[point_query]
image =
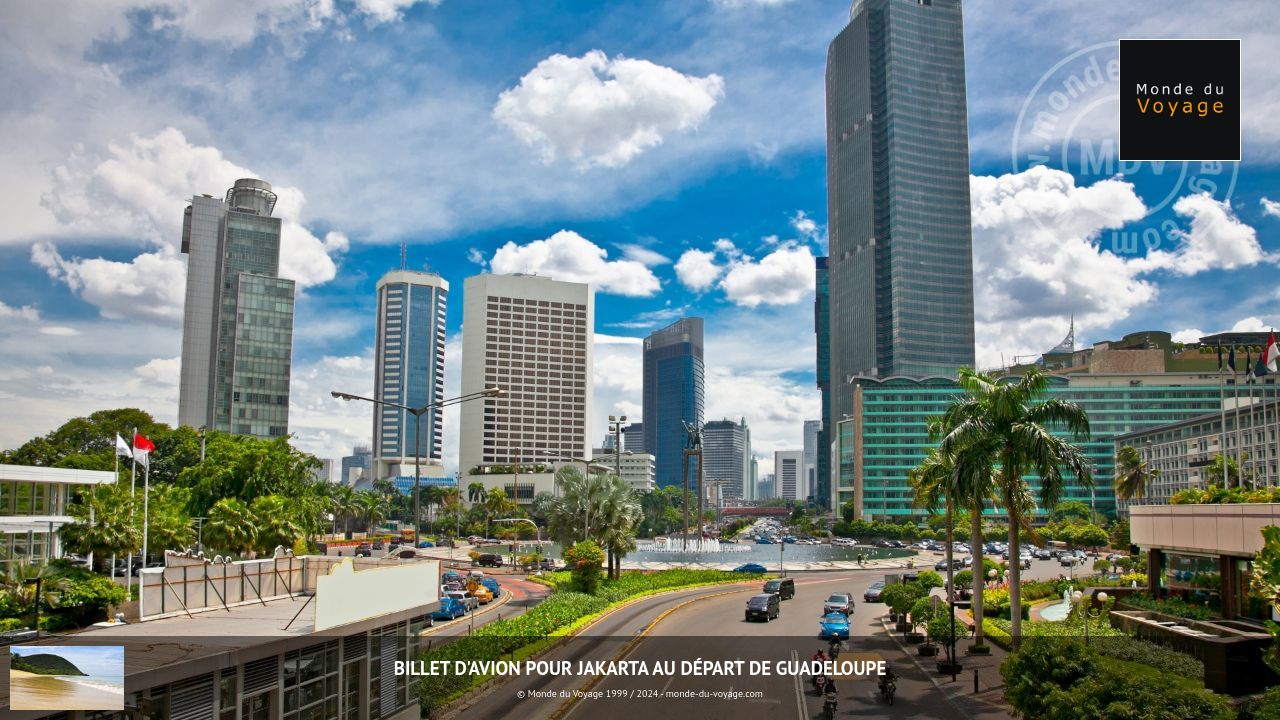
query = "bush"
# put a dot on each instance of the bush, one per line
(929, 579)
(921, 612)
(584, 561)
(996, 603)
(1264, 707)
(1150, 654)
(1171, 606)
(10, 624)
(901, 596)
(1113, 695)
(940, 628)
(1041, 667)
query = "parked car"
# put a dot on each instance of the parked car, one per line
(450, 608)
(956, 564)
(751, 568)
(426, 544)
(489, 560)
(833, 625)
(137, 567)
(784, 587)
(838, 602)
(492, 585)
(1043, 554)
(765, 606)
(547, 564)
(364, 550)
(377, 545)
(874, 592)
(481, 593)
(1068, 560)
(465, 598)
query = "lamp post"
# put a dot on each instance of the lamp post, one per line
(1087, 611)
(417, 450)
(991, 575)
(37, 581)
(615, 427)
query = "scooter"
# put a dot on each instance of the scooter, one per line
(888, 687)
(829, 706)
(819, 681)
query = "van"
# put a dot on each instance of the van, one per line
(784, 588)
(764, 605)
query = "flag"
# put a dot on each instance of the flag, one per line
(1270, 353)
(1219, 358)
(122, 447)
(1248, 364)
(142, 448)
(1231, 365)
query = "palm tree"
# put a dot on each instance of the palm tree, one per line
(476, 492)
(568, 513)
(1132, 474)
(1007, 427)
(112, 532)
(276, 522)
(342, 503)
(373, 507)
(934, 481)
(231, 526)
(619, 514)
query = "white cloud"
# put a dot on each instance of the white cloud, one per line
(1217, 240)
(643, 255)
(1270, 207)
(384, 11)
(26, 312)
(321, 424)
(139, 192)
(567, 255)
(1189, 335)
(697, 270)
(1250, 324)
(782, 277)
(475, 256)
(595, 111)
(59, 330)
(807, 228)
(161, 371)
(653, 319)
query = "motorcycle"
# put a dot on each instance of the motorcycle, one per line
(829, 706)
(819, 681)
(888, 686)
(833, 650)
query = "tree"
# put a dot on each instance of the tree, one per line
(231, 527)
(619, 516)
(1088, 535)
(276, 523)
(1006, 426)
(1119, 534)
(476, 493)
(1215, 474)
(169, 526)
(373, 508)
(1265, 583)
(113, 530)
(584, 561)
(1071, 511)
(1132, 474)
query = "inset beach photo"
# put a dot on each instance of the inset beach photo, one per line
(72, 677)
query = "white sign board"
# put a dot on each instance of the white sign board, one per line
(346, 596)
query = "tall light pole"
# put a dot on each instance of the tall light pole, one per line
(615, 427)
(417, 450)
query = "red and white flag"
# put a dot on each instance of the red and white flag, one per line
(1270, 353)
(142, 448)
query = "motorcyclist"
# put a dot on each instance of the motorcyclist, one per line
(835, 647)
(888, 679)
(830, 702)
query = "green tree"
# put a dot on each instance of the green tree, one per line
(619, 517)
(1118, 534)
(584, 561)
(1071, 511)
(1214, 471)
(342, 503)
(1088, 535)
(113, 530)
(1265, 583)
(276, 521)
(1008, 427)
(476, 493)
(231, 527)
(169, 527)
(373, 508)
(1132, 474)
(1041, 666)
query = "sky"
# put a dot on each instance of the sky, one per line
(669, 153)
(96, 660)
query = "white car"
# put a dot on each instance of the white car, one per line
(469, 601)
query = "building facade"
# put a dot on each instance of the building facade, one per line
(788, 474)
(638, 469)
(530, 336)
(33, 507)
(673, 395)
(357, 466)
(409, 368)
(812, 428)
(726, 448)
(237, 328)
(633, 437)
(900, 267)
(751, 492)
(822, 329)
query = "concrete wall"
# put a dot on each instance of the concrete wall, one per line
(1205, 529)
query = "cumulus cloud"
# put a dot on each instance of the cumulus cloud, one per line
(1217, 240)
(59, 331)
(1270, 207)
(384, 11)
(1189, 335)
(161, 371)
(26, 312)
(644, 255)
(1249, 324)
(697, 270)
(596, 111)
(567, 255)
(782, 277)
(475, 256)
(807, 228)
(138, 191)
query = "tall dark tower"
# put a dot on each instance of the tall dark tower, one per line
(900, 269)
(673, 394)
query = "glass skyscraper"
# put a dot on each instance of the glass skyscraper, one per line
(409, 364)
(900, 266)
(822, 328)
(237, 332)
(673, 394)
(726, 445)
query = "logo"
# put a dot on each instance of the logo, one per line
(1180, 99)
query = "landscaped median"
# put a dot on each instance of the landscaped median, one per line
(563, 613)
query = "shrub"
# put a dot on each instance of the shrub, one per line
(929, 579)
(940, 627)
(921, 612)
(1114, 695)
(1150, 654)
(995, 603)
(584, 560)
(10, 624)
(901, 596)
(1171, 606)
(963, 579)
(1264, 707)
(1041, 667)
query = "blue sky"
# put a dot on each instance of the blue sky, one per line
(671, 153)
(99, 660)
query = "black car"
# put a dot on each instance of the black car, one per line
(764, 606)
(785, 588)
(489, 560)
(874, 592)
(364, 550)
(956, 564)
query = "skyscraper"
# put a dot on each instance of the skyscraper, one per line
(787, 468)
(531, 337)
(356, 466)
(409, 367)
(900, 266)
(726, 446)
(673, 395)
(811, 430)
(822, 328)
(633, 437)
(237, 324)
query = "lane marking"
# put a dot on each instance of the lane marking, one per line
(800, 711)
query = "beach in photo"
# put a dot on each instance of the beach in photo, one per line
(66, 678)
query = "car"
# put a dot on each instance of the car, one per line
(377, 545)
(1068, 560)
(764, 605)
(451, 587)
(450, 609)
(874, 592)
(451, 576)
(784, 587)
(762, 540)
(840, 602)
(481, 593)
(465, 598)
(833, 625)
(426, 544)
(75, 559)
(492, 585)
(956, 564)
(1043, 554)
(489, 560)
(756, 568)
(547, 564)
(138, 567)
(364, 550)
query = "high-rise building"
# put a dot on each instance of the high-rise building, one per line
(356, 466)
(811, 430)
(633, 437)
(673, 395)
(900, 266)
(822, 328)
(726, 446)
(636, 468)
(324, 473)
(767, 488)
(237, 324)
(788, 470)
(409, 370)
(752, 491)
(531, 337)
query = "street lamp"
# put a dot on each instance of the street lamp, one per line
(536, 529)
(615, 427)
(991, 575)
(1087, 611)
(417, 435)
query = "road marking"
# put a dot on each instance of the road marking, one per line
(800, 713)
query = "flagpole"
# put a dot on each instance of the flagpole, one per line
(146, 516)
(133, 487)
(1222, 420)
(1235, 394)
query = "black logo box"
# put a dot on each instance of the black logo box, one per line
(1187, 68)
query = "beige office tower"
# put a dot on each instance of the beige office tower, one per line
(531, 337)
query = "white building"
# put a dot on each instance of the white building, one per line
(33, 506)
(638, 469)
(788, 470)
(531, 337)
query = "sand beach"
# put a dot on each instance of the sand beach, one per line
(29, 691)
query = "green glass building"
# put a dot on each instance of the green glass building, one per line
(876, 448)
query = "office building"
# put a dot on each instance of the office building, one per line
(33, 508)
(766, 488)
(673, 396)
(324, 473)
(633, 437)
(900, 266)
(752, 491)
(531, 337)
(822, 329)
(638, 469)
(357, 466)
(788, 474)
(726, 448)
(237, 325)
(811, 430)
(409, 370)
